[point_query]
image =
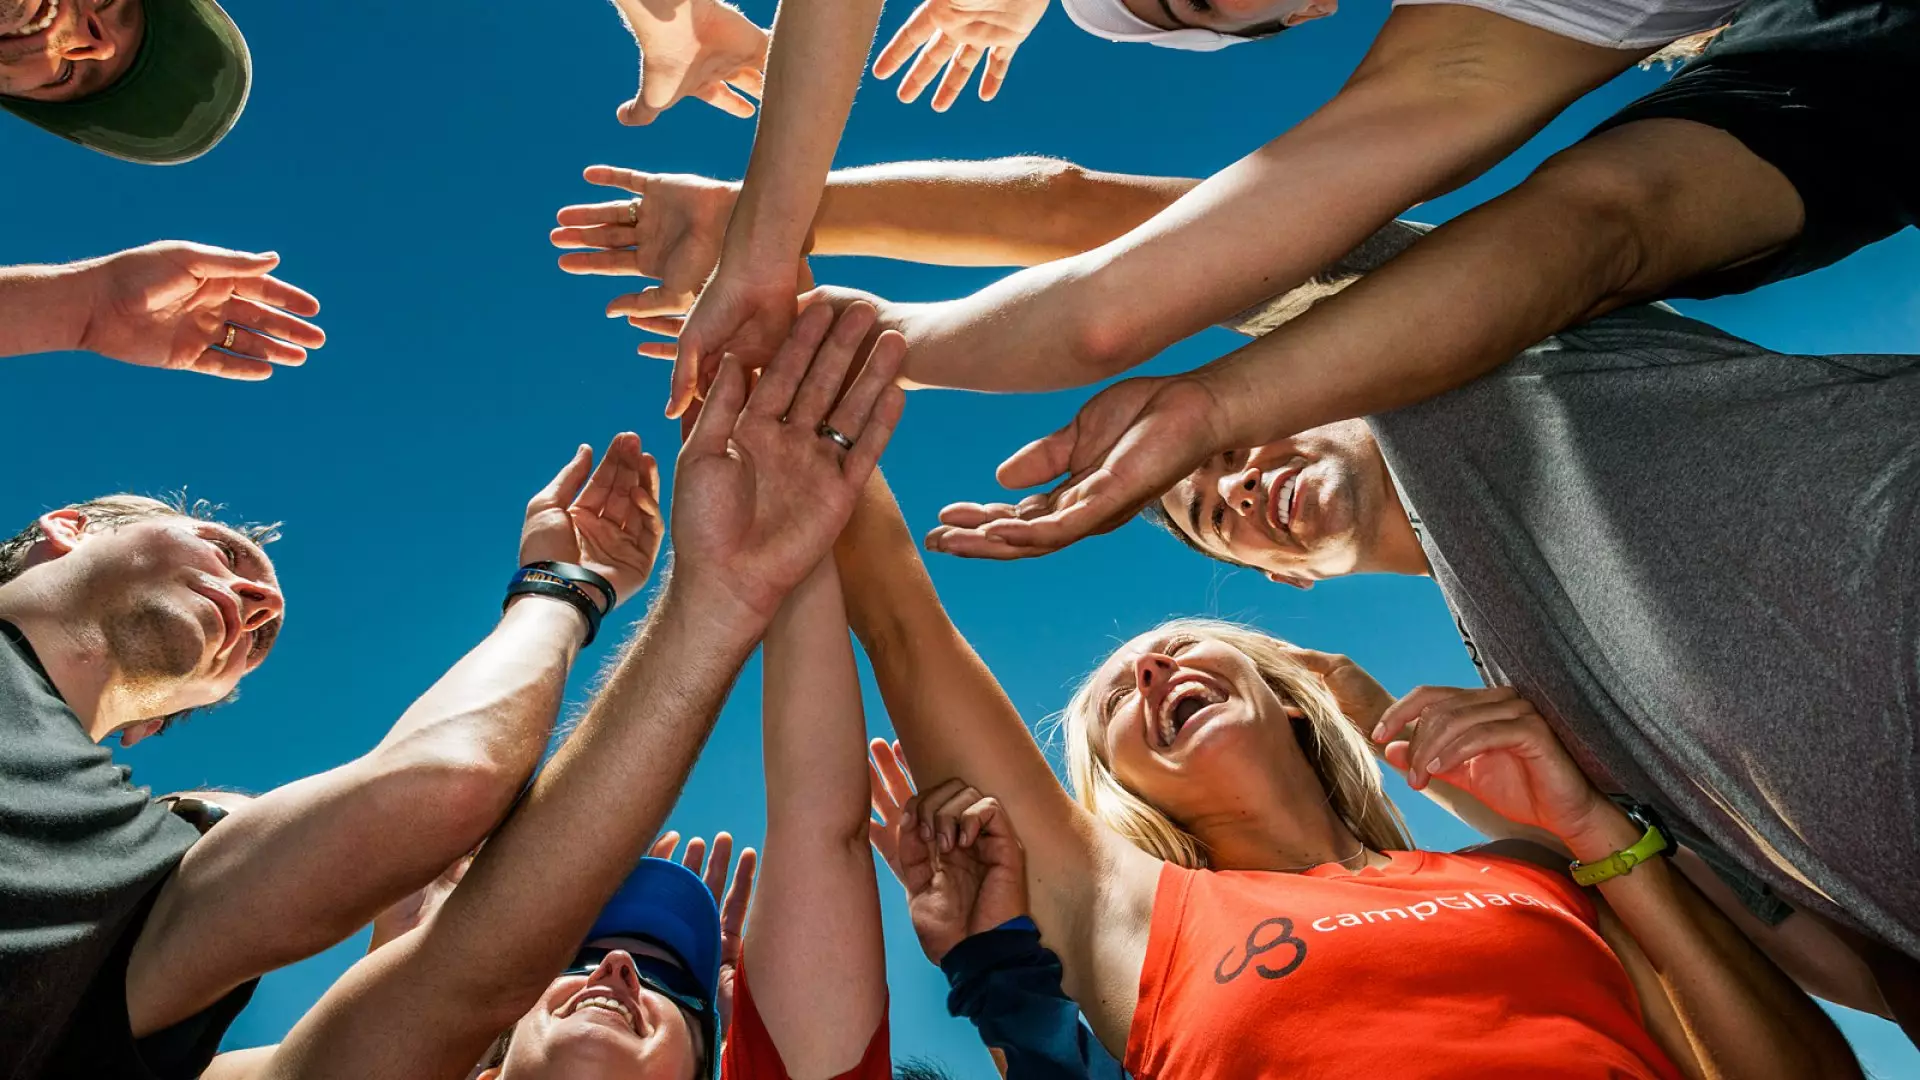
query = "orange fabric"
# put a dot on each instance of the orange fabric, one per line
(1436, 966)
(749, 1052)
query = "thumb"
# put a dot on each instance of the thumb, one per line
(635, 113)
(1039, 461)
(222, 262)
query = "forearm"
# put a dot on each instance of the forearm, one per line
(1445, 93)
(1018, 211)
(1742, 1016)
(818, 56)
(276, 868)
(42, 308)
(816, 918)
(428, 1004)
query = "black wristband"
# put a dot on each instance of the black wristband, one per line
(531, 581)
(580, 575)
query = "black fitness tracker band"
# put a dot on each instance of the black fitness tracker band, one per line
(536, 581)
(580, 575)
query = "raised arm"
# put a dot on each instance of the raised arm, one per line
(1017, 211)
(816, 919)
(188, 307)
(815, 65)
(1445, 92)
(758, 503)
(1717, 1005)
(303, 867)
(1091, 891)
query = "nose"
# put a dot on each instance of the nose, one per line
(260, 603)
(89, 40)
(1241, 491)
(616, 969)
(1152, 671)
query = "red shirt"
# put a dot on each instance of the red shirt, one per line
(749, 1053)
(1436, 966)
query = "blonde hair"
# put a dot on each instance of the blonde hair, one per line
(1337, 752)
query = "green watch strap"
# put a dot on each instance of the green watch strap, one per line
(1621, 862)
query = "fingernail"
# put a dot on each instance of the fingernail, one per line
(1433, 766)
(1379, 732)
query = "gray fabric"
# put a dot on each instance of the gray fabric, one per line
(1697, 558)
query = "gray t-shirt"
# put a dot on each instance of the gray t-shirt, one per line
(1697, 558)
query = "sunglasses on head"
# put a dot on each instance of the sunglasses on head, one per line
(662, 976)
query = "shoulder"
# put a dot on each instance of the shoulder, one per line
(749, 1052)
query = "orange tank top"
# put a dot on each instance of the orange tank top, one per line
(1435, 966)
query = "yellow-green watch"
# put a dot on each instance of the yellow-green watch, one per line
(1652, 842)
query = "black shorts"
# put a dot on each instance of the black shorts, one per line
(1824, 91)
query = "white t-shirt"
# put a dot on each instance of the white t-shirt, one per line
(1613, 24)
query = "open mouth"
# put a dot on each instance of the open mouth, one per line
(1181, 705)
(602, 1000)
(49, 11)
(1283, 499)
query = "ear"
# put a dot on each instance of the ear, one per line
(487, 1074)
(1297, 582)
(64, 530)
(145, 729)
(1315, 9)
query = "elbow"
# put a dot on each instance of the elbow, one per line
(1103, 339)
(1609, 206)
(461, 795)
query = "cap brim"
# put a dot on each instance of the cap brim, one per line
(1110, 19)
(181, 96)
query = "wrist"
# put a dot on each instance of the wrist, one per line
(547, 617)
(702, 603)
(61, 300)
(1601, 831)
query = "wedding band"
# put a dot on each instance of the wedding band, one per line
(829, 431)
(228, 343)
(633, 212)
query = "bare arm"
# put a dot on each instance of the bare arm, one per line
(1092, 893)
(816, 918)
(1613, 220)
(301, 868)
(1445, 92)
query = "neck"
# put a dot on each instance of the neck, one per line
(1277, 833)
(73, 650)
(1396, 547)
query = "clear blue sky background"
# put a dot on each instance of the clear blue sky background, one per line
(408, 165)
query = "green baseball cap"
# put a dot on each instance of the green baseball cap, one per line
(180, 97)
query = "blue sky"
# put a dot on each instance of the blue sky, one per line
(408, 168)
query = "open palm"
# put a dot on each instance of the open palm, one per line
(670, 230)
(702, 49)
(173, 304)
(960, 36)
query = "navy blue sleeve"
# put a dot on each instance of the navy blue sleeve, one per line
(1008, 985)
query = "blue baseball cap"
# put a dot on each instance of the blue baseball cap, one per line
(665, 903)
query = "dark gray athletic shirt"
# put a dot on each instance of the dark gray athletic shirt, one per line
(81, 853)
(1697, 558)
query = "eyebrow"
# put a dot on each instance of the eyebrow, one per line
(1193, 512)
(1175, 19)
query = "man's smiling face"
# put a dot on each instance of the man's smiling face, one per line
(64, 50)
(1299, 510)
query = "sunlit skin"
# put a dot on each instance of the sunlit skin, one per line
(87, 47)
(561, 1038)
(1342, 516)
(1233, 773)
(185, 608)
(1231, 16)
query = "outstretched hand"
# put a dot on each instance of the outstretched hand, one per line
(1494, 745)
(741, 314)
(1129, 444)
(612, 525)
(670, 230)
(191, 307)
(734, 903)
(762, 490)
(959, 35)
(703, 49)
(961, 864)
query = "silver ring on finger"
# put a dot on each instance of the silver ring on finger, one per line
(839, 438)
(227, 342)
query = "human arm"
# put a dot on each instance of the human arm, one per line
(816, 921)
(302, 867)
(1444, 93)
(1017, 211)
(1716, 1004)
(1091, 892)
(692, 48)
(167, 304)
(758, 502)
(748, 307)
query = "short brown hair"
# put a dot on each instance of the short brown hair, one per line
(112, 511)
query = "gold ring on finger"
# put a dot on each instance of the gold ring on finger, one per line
(231, 331)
